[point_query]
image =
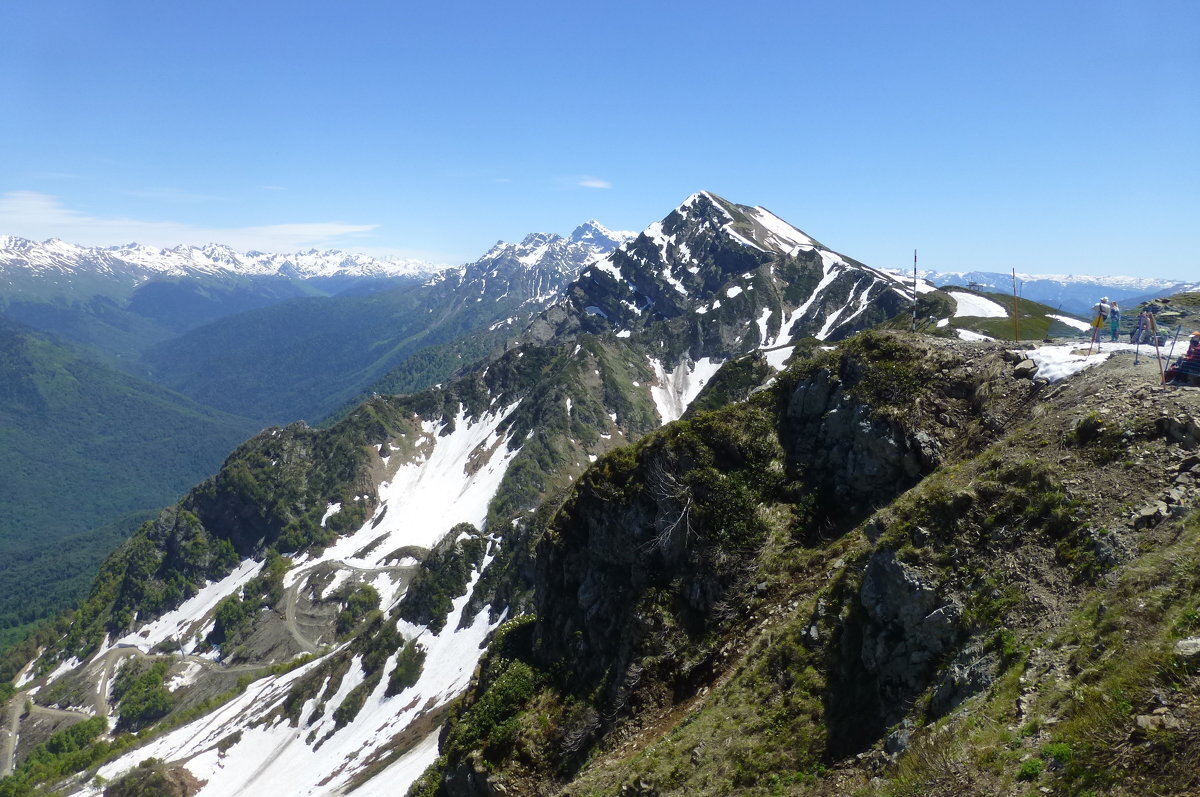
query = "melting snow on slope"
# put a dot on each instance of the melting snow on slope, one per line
(833, 320)
(1082, 326)
(274, 758)
(776, 358)
(967, 334)
(330, 511)
(1059, 362)
(830, 266)
(450, 484)
(906, 281)
(180, 624)
(191, 671)
(781, 236)
(676, 390)
(976, 306)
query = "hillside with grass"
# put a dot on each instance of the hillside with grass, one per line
(992, 315)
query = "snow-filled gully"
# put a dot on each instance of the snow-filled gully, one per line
(451, 482)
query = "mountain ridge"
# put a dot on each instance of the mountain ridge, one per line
(495, 448)
(140, 262)
(734, 566)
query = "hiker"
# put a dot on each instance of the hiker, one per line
(1114, 319)
(1187, 370)
(1100, 310)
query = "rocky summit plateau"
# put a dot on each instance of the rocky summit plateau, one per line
(712, 518)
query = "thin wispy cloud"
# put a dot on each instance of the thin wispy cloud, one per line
(38, 216)
(174, 195)
(593, 182)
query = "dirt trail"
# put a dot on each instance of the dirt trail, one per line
(9, 731)
(292, 596)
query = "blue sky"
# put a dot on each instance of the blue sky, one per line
(1045, 136)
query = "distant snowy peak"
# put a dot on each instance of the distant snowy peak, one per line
(1133, 284)
(593, 233)
(545, 250)
(533, 271)
(138, 262)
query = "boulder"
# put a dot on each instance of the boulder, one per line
(1025, 369)
(1188, 648)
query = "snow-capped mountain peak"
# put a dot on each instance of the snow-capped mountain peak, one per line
(594, 233)
(711, 256)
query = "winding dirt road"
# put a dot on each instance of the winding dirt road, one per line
(8, 733)
(103, 667)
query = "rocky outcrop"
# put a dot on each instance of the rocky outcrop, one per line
(909, 627)
(859, 461)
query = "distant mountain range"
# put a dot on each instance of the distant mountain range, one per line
(305, 358)
(1074, 293)
(92, 433)
(137, 263)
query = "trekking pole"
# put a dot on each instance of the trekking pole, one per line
(1171, 353)
(1137, 350)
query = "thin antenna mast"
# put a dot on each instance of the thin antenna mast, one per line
(1016, 310)
(914, 318)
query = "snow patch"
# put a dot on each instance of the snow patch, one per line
(181, 623)
(191, 671)
(676, 390)
(1059, 362)
(776, 358)
(1075, 323)
(976, 306)
(450, 483)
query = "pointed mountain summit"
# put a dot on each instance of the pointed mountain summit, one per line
(710, 264)
(596, 234)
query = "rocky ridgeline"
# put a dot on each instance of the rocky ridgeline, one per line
(932, 522)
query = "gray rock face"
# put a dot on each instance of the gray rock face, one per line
(859, 460)
(971, 672)
(909, 627)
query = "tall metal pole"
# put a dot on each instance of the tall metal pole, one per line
(1016, 310)
(914, 318)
